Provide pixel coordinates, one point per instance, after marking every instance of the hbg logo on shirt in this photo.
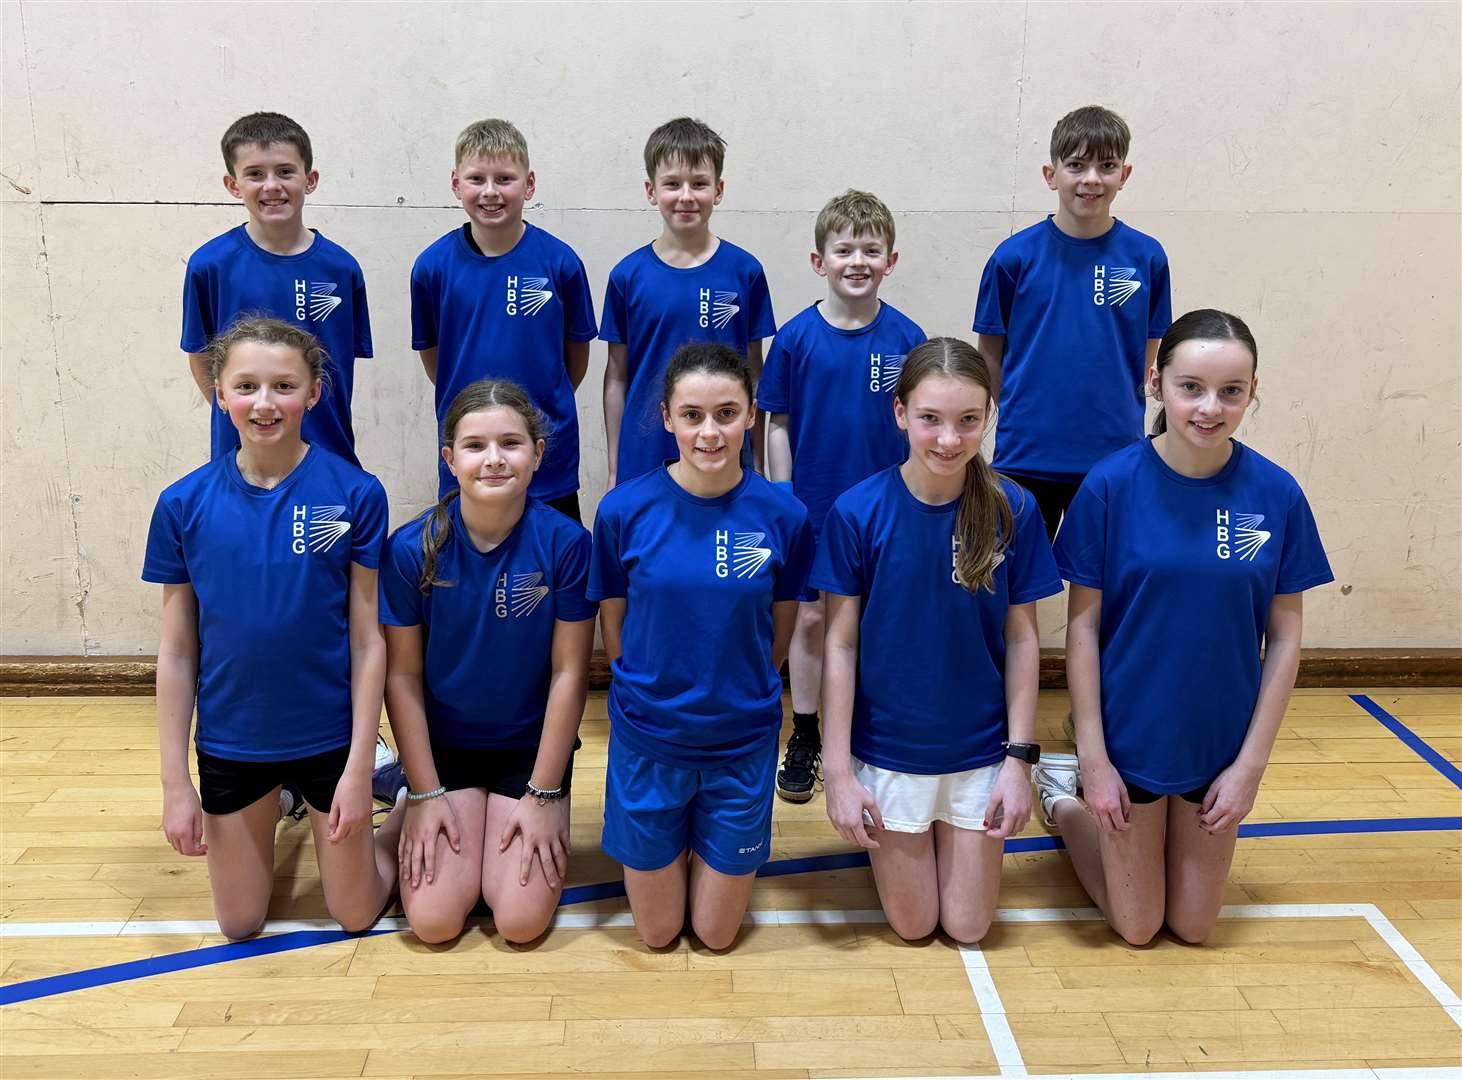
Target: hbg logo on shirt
(529, 297)
(1245, 538)
(522, 596)
(717, 308)
(1113, 287)
(884, 371)
(954, 546)
(316, 531)
(745, 556)
(315, 300)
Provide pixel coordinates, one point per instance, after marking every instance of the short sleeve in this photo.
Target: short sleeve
(773, 393)
(1302, 562)
(613, 328)
(402, 602)
(165, 563)
(571, 579)
(839, 565)
(363, 346)
(760, 322)
(792, 577)
(200, 322)
(997, 292)
(423, 308)
(368, 530)
(578, 301)
(1160, 302)
(1031, 572)
(1081, 545)
(607, 577)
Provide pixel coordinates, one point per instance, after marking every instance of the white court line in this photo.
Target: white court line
(992, 1012)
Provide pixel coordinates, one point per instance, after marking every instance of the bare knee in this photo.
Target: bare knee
(236, 926)
(353, 917)
(433, 926)
(659, 931)
(1192, 931)
(910, 922)
(966, 928)
(714, 933)
(521, 925)
(1138, 930)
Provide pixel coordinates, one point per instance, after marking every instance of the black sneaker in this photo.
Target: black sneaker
(801, 769)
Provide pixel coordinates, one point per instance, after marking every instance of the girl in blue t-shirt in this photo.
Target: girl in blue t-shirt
(267, 557)
(932, 571)
(697, 566)
(488, 635)
(1187, 556)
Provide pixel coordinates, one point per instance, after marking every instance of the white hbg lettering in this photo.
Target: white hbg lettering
(954, 559)
(500, 597)
(297, 529)
(301, 298)
(722, 539)
(875, 370)
(512, 294)
(705, 309)
(1222, 534)
(1099, 285)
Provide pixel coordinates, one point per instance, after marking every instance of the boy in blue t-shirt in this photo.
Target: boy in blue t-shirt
(687, 285)
(828, 390)
(273, 265)
(1069, 316)
(499, 298)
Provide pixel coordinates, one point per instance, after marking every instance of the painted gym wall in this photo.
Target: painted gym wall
(1299, 162)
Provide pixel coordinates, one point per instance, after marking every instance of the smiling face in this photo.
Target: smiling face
(685, 194)
(493, 189)
(854, 264)
(1205, 387)
(493, 455)
(272, 182)
(945, 418)
(1085, 185)
(709, 414)
(266, 390)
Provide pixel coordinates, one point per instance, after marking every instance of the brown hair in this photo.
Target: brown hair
(687, 140)
(1100, 131)
(1204, 324)
(984, 521)
(492, 138)
(858, 211)
(264, 129)
(267, 330)
(711, 357)
(475, 397)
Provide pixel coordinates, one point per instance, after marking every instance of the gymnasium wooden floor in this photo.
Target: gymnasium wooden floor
(1340, 956)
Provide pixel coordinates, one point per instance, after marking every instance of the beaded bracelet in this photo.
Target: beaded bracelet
(544, 797)
(422, 796)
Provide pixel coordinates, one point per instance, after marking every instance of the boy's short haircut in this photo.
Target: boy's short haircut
(264, 129)
(492, 138)
(1100, 131)
(858, 212)
(686, 140)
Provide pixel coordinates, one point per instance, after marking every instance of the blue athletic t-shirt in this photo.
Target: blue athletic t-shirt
(507, 317)
(320, 290)
(1188, 569)
(652, 309)
(930, 696)
(488, 635)
(836, 387)
(271, 571)
(1077, 316)
(694, 684)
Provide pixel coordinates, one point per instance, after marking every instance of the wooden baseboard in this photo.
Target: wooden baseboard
(28, 676)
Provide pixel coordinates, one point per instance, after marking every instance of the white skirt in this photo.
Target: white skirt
(909, 802)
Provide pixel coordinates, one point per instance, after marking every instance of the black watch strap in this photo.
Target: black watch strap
(1028, 752)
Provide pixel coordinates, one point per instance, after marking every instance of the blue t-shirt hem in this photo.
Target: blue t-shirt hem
(231, 753)
(1165, 787)
(923, 768)
(689, 757)
(1039, 592)
(154, 578)
(1285, 588)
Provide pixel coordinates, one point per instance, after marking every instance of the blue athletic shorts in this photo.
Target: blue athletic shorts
(653, 811)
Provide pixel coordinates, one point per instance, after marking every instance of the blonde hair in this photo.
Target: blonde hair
(267, 330)
(492, 138)
(857, 211)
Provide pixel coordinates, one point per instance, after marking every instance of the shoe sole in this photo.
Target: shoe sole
(795, 796)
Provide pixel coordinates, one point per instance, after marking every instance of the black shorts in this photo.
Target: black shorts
(1052, 498)
(1138, 795)
(227, 786)
(568, 506)
(501, 770)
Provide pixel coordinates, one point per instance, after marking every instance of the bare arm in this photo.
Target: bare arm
(201, 367)
(847, 800)
(1106, 795)
(616, 386)
(1010, 802)
(758, 429)
(784, 621)
(568, 687)
(576, 361)
(779, 447)
(611, 625)
(177, 688)
(351, 807)
(406, 705)
(429, 363)
(992, 348)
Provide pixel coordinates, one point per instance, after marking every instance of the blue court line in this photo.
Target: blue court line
(580, 894)
(1411, 739)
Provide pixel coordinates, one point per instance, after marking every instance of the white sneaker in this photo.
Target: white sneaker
(1056, 778)
(384, 754)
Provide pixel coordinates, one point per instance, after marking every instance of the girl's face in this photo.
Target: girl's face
(708, 414)
(266, 389)
(492, 455)
(945, 419)
(1205, 388)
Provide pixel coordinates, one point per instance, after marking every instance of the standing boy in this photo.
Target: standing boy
(273, 265)
(499, 298)
(1069, 317)
(828, 392)
(688, 285)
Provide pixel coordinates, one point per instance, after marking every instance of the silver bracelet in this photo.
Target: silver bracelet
(544, 797)
(422, 796)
